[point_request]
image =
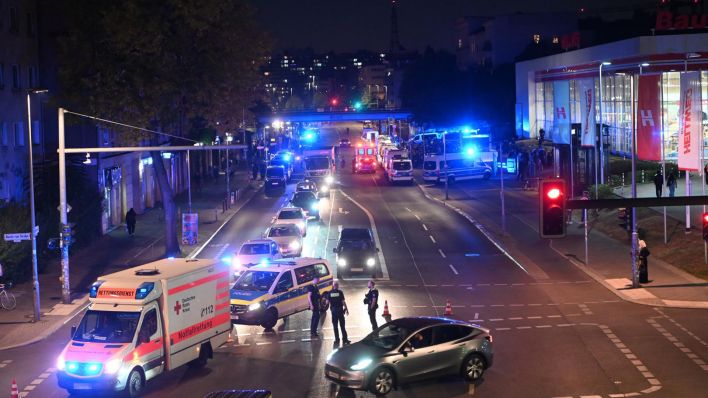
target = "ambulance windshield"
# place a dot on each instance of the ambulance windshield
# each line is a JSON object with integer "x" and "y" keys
{"x": 107, "y": 327}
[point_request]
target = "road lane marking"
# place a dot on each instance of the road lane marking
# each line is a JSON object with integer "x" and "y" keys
{"x": 417, "y": 216}
{"x": 425, "y": 227}
{"x": 442, "y": 253}
{"x": 453, "y": 269}
{"x": 411, "y": 211}
{"x": 687, "y": 351}
{"x": 433, "y": 239}
{"x": 221, "y": 251}
{"x": 688, "y": 332}
{"x": 382, "y": 260}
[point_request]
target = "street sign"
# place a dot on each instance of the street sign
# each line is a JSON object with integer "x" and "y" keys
{"x": 17, "y": 237}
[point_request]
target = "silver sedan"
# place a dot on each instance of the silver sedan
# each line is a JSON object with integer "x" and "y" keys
{"x": 411, "y": 349}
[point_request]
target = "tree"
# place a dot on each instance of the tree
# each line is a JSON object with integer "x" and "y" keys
{"x": 158, "y": 64}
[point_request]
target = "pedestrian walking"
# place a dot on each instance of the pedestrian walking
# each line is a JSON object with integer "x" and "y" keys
{"x": 658, "y": 182}
{"x": 371, "y": 299}
{"x": 130, "y": 221}
{"x": 313, "y": 296}
{"x": 671, "y": 183}
{"x": 338, "y": 308}
{"x": 254, "y": 170}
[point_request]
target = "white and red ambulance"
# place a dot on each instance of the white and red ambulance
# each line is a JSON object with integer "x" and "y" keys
{"x": 144, "y": 321}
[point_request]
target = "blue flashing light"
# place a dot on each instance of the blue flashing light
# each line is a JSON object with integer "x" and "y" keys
{"x": 315, "y": 206}
{"x": 263, "y": 262}
{"x": 357, "y": 105}
{"x": 469, "y": 151}
{"x": 72, "y": 366}
{"x": 93, "y": 293}
{"x": 286, "y": 157}
{"x": 93, "y": 368}
{"x": 226, "y": 260}
{"x": 171, "y": 257}
{"x": 143, "y": 290}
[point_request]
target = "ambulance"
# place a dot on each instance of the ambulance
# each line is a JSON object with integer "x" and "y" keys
{"x": 144, "y": 321}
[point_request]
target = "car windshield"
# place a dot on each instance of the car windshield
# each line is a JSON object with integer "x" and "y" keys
{"x": 303, "y": 196}
{"x": 355, "y": 245}
{"x": 429, "y": 165}
{"x": 317, "y": 163}
{"x": 388, "y": 336}
{"x": 290, "y": 214}
{"x": 275, "y": 172}
{"x": 355, "y": 234}
{"x": 305, "y": 187}
{"x": 255, "y": 248}
{"x": 259, "y": 281}
{"x": 401, "y": 165}
{"x": 286, "y": 230}
{"x": 107, "y": 327}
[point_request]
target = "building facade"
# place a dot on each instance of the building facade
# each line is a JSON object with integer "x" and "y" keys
{"x": 18, "y": 74}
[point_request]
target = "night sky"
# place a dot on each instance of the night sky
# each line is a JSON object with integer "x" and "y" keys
{"x": 350, "y": 25}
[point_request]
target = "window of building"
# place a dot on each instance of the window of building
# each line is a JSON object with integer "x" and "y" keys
{"x": 13, "y": 23}
{"x": 4, "y": 134}
{"x": 31, "y": 32}
{"x": 555, "y": 40}
{"x": 36, "y": 132}
{"x": 32, "y": 76}
{"x": 19, "y": 134}
{"x": 16, "y": 84}
{"x": 536, "y": 38}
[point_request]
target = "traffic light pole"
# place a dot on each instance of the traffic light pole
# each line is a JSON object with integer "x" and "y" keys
{"x": 63, "y": 214}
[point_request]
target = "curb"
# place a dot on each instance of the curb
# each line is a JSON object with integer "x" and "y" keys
{"x": 80, "y": 303}
{"x": 599, "y": 279}
{"x": 654, "y": 302}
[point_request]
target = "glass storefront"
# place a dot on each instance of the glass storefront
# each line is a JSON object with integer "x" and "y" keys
{"x": 617, "y": 109}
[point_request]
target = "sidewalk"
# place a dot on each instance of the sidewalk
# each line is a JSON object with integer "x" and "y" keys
{"x": 112, "y": 252}
{"x": 609, "y": 258}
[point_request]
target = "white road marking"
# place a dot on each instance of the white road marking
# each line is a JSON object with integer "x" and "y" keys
{"x": 453, "y": 269}
{"x": 221, "y": 251}
{"x": 382, "y": 260}
{"x": 687, "y": 351}
{"x": 442, "y": 253}
{"x": 417, "y": 216}
{"x": 433, "y": 239}
{"x": 425, "y": 227}
{"x": 411, "y": 211}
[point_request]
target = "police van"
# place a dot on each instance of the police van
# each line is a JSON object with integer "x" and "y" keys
{"x": 267, "y": 292}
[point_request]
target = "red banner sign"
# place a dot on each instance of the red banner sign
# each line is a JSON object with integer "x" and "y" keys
{"x": 648, "y": 118}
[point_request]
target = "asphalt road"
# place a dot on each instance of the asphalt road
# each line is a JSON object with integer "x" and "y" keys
{"x": 556, "y": 332}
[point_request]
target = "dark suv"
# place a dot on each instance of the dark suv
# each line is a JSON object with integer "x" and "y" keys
{"x": 275, "y": 180}
{"x": 356, "y": 251}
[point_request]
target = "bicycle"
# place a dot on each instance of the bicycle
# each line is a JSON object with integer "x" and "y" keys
{"x": 7, "y": 299}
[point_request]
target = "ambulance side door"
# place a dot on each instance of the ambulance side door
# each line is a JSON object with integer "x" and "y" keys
{"x": 150, "y": 343}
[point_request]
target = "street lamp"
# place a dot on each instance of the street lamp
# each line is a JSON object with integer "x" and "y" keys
{"x": 34, "y": 230}
{"x": 447, "y": 176}
{"x": 601, "y": 149}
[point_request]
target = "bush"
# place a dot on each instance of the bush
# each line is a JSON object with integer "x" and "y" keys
{"x": 604, "y": 191}
{"x": 16, "y": 258}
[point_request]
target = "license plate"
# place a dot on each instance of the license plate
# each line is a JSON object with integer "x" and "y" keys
{"x": 333, "y": 375}
{"x": 82, "y": 386}
{"x": 357, "y": 269}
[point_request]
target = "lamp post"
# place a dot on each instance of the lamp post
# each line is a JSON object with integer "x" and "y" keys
{"x": 447, "y": 176}
{"x": 601, "y": 149}
{"x": 34, "y": 230}
{"x": 229, "y": 139}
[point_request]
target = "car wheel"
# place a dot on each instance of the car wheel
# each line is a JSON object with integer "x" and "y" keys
{"x": 135, "y": 385}
{"x": 270, "y": 318}
{"x": 473, "y": 367}
{"x": 382, "y": 381}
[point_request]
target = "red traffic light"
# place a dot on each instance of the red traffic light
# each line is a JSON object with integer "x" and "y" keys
{"x": 553, "y": 193}
{"x": 705, "y": 217}
{"x": 334, "y": 101}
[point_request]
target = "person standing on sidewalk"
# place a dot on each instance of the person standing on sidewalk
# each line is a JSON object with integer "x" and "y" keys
{"x": 130, "y": 221}
{"x": 671, "y": 183}
{"x": 658, "y": 182}
{"x": 371, "y": 299}
{"x": 643, "y": 262}
{"x": 313, "y": 296}
{"x": 338, "y": 308}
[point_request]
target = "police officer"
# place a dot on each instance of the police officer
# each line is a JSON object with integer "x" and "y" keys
{"x": 313, "y": 296}
{"x": 338, "y": 307}
{"x": 371, "y": 299}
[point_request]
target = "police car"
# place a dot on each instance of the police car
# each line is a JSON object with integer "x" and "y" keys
{"x": 267, "y": 292}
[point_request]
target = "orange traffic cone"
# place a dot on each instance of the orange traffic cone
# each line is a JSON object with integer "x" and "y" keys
{"x": 448, "y": 309}
{"x": 230, "y": 339}
{"x": 14, "y": 393}
{"x": 385, "y": 311}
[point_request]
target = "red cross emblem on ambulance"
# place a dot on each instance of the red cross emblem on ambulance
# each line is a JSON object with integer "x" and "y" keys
{"x": 177, "y": 307}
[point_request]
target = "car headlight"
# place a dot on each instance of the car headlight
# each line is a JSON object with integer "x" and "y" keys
{"x": 331, "y": 354}
{"x": 294, "y": 245}
{"x": 113, "y": 366}
{"x": 236, "y": 263}
{"x": 342, "y": 262}
{"x": 301, "y": 224}
{"x": 315, "y": 207}
{"x": 370, "y": 262}
{"x": 254, "y": 306}
{"x": 361, "y": 364}
{"x": 61, "y": 363}
{"x": 329, "y": 179}
{"x": 324, "y": 188}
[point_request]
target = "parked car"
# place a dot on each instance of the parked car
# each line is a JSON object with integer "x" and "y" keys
{"x": 411, "y": 349}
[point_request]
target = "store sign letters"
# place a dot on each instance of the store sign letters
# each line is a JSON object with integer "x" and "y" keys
{"x": 666, "y": 20}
